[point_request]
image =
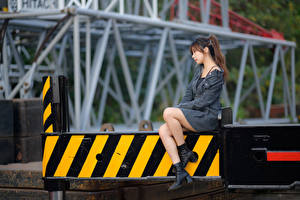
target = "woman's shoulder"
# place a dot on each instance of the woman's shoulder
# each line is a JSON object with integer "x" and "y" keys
{"x": 217, "y": 68}
{"x": 216, "y": 71}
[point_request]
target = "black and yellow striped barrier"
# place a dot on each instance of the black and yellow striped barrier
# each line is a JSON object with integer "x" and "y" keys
{"x": 130, "y": 155}
{"x": 48, "y": 117}
{"x": 113, "y": 154}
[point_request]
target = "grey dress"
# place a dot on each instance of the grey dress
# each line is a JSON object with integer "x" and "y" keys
{"x": 201, "y": 103}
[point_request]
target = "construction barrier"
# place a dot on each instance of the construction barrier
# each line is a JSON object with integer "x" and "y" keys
{"x": 130, "y": 155}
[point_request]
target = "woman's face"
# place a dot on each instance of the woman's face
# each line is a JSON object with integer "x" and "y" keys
{"x": 198, "y": 57}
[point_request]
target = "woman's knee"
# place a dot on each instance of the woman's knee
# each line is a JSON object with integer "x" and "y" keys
{"x": 163, "y": 130}
{"x": 168, "y": 113}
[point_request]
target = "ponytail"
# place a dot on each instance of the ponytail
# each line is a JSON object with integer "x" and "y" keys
{"x": 217, "y": 54}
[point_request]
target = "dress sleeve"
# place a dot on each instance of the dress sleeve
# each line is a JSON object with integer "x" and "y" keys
{"x": 188, "y": 96}
{"x": 212, "y": 90}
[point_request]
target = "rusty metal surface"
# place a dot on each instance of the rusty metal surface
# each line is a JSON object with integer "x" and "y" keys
{"x": 24, "y": 181}
{"x": 21, "y": 175}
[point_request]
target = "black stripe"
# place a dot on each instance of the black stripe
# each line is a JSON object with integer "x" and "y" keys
{"x": 57, "y": 154}
{"x": 131, "y": 155}
{"x": 208, "y": 157}
{"x": 49, "y": 121}
{"x": 106, "y": 155}
{"x": 155, "y": 158}
{"x": 47, "y": 99}
{"x": 190, "y": 141}
{"x": 81, "y": 155}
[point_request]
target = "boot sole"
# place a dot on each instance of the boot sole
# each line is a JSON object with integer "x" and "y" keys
{"x": 188, "y": 180}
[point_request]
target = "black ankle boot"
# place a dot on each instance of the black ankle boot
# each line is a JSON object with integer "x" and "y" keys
{"x": 186, "y": 155}
{"x": 181, "y": 177}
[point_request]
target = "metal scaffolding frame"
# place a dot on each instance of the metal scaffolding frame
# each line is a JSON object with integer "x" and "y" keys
{"x": 89, "y": 43}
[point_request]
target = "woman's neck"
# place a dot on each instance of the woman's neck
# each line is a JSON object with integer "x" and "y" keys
{"x": 209, "y": 63}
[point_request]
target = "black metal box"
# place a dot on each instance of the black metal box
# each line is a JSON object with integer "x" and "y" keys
{"x": 27, "y": 117}
{"x": 6, "y": 118}
{"x": 7, "y": 150}
{"x": 28, "y": 149}
{"x": 261, "y": 156}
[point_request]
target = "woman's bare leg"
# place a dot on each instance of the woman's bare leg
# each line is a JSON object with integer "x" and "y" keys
{"x": 175, "y": 120}
{"x": 169, "y": 143}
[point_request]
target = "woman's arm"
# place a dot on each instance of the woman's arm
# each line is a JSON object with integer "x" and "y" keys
{"x": 188, "y": 96}
{"x": 210, "y": 94}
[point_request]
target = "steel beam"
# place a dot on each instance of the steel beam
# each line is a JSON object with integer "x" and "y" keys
{"x": 87, "y": 57}
{"x": 207, "y": 12}
{"x": 62, "y": 54}
{"x": 97, "y": 65}
{"x": 148, "y": 8}
{"x": 141, "y": 73}
{"x": 5, "y": 77}
{"x": 77, "y": 72}
{"x": 126, "y": 72}
{"x": 286, "y": 87}
{"x": 121, "y": 7}
{"x": 175, "y": 60}
{"x": 166, "y": 6}
{"x": 271, "y": 87}
{"x": 120, "y": 96}
{"x": 257, "y": 82}
{"x": 183, "y": 8}
{"x": 137, "y": 7}
{"x": 116, "y": 94}
{"x": 177, "y": 26}
{"x": 157, "y": 66}
{"x": 106, "y": 85}
{"x": 293, "y": 84}
{"x": 225, "y": 95}
{"x": 111, "y": 6}
{"x": 224, "y": 11}
{"x": 31, "y": 14}
{"x": 16, "y": 54}
{"x": 155, "y": 9}
{"x": 240, "y": 81}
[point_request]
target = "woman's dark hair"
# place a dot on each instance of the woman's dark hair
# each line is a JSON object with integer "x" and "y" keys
{"x": 212, "y": 44}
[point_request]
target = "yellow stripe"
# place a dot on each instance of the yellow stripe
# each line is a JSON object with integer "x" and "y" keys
{"x": 91, "y": 161}
{"x": 118, "y": 156}
{"x": 69, "y": 155}
{"x": 47, "y": 113}
{"x": 143, "y": 157}
{"x": 200, "y": 149}
{"x": 48, "y": 149}
{"x": 46, "y": 87}
{"x": 165, "y": 165}
{"x": 50, "y": 129}
{"x": 214, "y": 167}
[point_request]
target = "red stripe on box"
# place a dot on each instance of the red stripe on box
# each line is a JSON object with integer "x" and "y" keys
{"x": 283, "y": 156}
